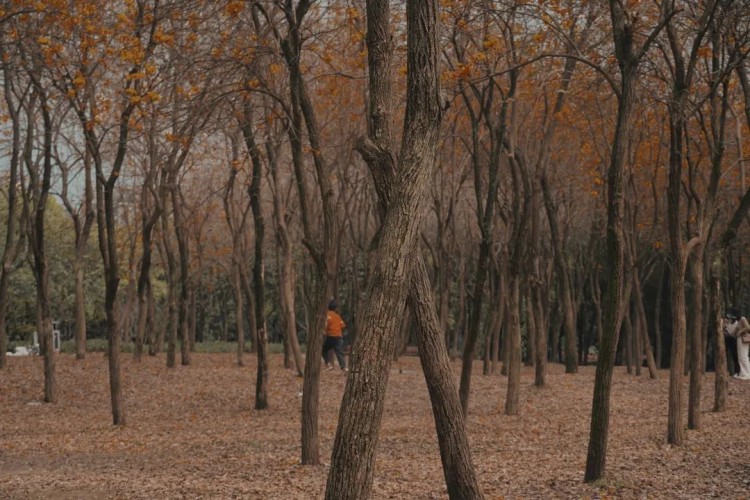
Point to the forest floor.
(192, 433)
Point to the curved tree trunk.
(261, 340)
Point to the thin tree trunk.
(286, 279)
(721, 375)
(13, 241)
(239, 316)
(642, 323)
(657, 315)
(514, 348)
(629, 59)
(184, 263)
(41, 183)
(697, 359)
(540, 362)
(261, 347)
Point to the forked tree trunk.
(353, 459)
(678, 104)
(40, 187)
(629, 59)
(325, 259)
(12, 243)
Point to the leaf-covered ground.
(192, 432)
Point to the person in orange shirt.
(334, 337)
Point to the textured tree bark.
(628, 60)
(454, 448)
(682, 74)
(353, 459)
(450, 424)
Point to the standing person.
(334, 337)
(735, 326)
(730, 341)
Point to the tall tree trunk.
(628, 58)
(326, 259)
(450, 424)
(567, 304)
(144, 274)
(261, 384)
(683, 74)
(353, 459)
(41, 183)
(184, 262)
(154, 334)
(13, 241)
(286, 279)
(377, 151)
(108, 249)
(171, 274)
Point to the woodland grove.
(506, 182)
